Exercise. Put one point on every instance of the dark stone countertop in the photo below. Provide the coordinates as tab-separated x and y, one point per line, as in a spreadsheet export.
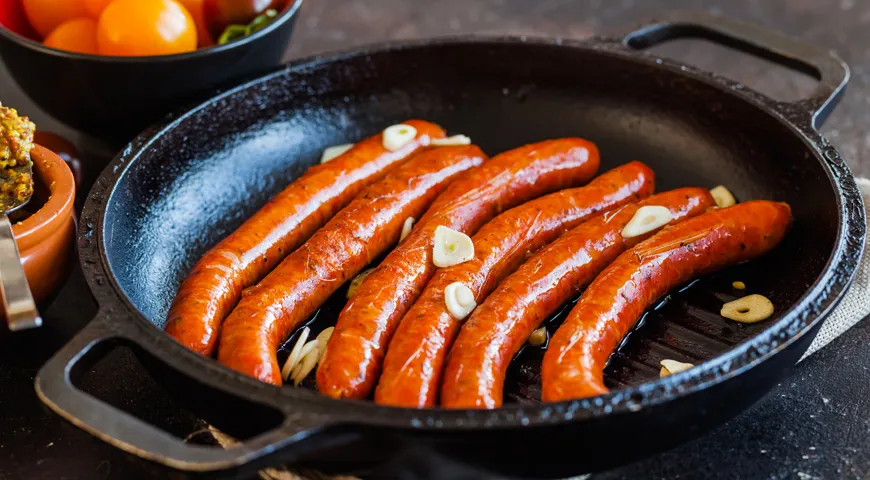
814	425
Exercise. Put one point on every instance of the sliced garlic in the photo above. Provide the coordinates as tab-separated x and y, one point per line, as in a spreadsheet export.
722	196
356	282
538	337
309	356
749	309
406	228
306	364
293	359
451	247
670	367
397	136
324	337
331	152
738	285
647	219
455	140
306	350
459	299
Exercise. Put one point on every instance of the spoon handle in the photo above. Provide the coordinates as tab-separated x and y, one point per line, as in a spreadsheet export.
18	302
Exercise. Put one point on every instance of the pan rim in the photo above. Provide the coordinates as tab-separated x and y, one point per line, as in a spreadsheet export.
815	304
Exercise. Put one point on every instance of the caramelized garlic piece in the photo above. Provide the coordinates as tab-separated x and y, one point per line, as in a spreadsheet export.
722	196
647	219
356	282
397	136
738	285
406	228
451	247
330	153
455	140
670	367
459	300
538	337
749	309
295	354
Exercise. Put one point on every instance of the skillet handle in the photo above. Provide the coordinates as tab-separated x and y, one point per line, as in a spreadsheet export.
824	65
54	385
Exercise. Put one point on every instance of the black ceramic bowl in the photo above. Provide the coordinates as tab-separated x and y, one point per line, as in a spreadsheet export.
116	97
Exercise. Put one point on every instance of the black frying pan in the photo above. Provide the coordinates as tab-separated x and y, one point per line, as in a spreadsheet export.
180	187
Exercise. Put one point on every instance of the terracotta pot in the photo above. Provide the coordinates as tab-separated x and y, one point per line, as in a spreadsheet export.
47	237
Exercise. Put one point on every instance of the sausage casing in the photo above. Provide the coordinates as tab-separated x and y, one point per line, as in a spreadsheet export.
353	358
359	233
574	363
415	356
497	329
215	283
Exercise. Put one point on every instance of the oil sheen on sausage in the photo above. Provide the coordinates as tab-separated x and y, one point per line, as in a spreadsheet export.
359	233
215	283
574	363
353	358
415	357
497	329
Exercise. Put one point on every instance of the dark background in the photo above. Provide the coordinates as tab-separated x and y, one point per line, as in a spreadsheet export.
814	425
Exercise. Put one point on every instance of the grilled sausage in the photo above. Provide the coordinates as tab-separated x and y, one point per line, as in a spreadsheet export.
573	366
363	230
353	358
415	356
497	329
215	283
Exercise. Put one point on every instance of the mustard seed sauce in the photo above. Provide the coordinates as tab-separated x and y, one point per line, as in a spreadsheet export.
16	140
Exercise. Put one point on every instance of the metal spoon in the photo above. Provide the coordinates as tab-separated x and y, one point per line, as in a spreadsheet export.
17	299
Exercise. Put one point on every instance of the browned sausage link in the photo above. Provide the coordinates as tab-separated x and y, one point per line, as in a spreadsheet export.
414	360
215	283
574	363
352	362
269	311
497	329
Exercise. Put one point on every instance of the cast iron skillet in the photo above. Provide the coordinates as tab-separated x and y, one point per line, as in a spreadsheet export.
181	186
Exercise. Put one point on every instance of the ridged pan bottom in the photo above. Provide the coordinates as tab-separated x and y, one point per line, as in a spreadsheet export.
685	326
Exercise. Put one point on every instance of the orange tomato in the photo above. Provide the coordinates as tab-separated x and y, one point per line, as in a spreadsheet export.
96	7
79	35
46	15
145	27
195	7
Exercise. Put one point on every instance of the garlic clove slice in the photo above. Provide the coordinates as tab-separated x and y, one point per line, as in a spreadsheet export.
538	337
451	247
406	228
670	367
723	197
748	309
306	363
397	136
455	140
330	153
294	357
459	300
647	219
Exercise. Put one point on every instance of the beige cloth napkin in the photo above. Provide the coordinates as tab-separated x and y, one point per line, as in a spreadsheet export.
856	304
854	307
